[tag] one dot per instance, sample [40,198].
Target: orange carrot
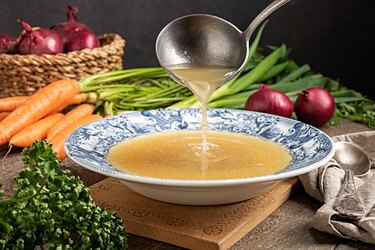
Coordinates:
[8,104]
[11,103]
[35,131]
[71,117]
[3,115]
[40,104]
[59,140]
[77,99]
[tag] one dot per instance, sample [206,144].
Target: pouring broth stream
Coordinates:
[202,81]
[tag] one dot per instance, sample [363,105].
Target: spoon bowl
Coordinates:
[207,41]
[350,156]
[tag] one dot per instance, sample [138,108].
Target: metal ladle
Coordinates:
[206,40]
[354,161]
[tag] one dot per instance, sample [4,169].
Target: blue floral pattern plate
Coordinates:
[310,148]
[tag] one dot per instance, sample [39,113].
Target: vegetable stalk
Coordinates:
[152,88]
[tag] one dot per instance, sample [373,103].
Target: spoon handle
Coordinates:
[263,15]
[348,202]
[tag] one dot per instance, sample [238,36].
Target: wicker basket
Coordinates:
[25,74]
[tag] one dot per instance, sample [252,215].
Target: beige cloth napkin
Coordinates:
[324,184]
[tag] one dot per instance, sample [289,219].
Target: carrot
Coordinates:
[3,115]
[58,140]
[71,117]
[35,131]
[8,104]
[77,99]
[40,104]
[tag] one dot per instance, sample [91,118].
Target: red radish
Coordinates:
[315,106]
[39,41]
[270,101]
[66,29]
[82,39]
[7,44]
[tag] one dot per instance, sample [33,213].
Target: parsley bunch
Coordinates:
[51,209]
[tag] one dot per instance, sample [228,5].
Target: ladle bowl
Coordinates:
[206,40]
[201,40]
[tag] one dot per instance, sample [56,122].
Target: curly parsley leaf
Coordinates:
[51,209]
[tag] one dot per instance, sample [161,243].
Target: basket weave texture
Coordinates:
[25,74]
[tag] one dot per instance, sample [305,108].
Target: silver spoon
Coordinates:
[206,40]
[354,161]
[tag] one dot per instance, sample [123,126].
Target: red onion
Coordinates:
[315,106]
[82,39]
[7,44]
[66,29]
[270,101]
[39,41]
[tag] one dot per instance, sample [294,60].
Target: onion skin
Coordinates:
[66,29]
[270,101]
[7,44]
[315,106]
[39,41]
[82,39]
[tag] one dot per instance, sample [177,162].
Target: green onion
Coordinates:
[151,88]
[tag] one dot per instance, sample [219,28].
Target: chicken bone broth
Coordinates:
[178,155]
[202,81]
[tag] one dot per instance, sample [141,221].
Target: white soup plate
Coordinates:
[309,147]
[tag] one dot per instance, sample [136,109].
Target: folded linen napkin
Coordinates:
[324,184]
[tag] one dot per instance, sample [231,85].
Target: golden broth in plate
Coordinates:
[179,155]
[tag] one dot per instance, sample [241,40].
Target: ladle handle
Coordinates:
[263,15]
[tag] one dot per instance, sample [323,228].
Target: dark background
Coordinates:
[334,37]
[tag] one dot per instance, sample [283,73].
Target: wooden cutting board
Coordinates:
[193,227]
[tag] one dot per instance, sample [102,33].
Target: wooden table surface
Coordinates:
[289,227]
